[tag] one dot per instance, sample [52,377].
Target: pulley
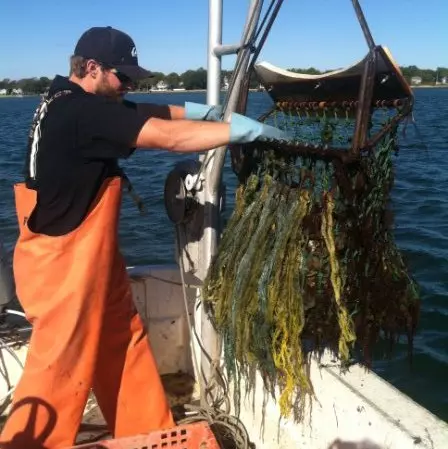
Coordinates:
[181,185]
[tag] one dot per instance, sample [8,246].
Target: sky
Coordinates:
[38,37]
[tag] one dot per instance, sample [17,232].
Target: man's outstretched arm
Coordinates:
[191,136]
[182,135]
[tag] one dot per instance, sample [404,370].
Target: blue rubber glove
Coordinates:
[244,129]
[196,111]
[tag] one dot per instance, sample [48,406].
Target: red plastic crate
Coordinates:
[190,436]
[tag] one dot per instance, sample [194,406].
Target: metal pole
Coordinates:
[214,60]
[209,196]
[242,63]
[214,161]
[209,338]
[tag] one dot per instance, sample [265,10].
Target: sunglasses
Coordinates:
[124,79]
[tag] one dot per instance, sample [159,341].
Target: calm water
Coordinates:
[420,202]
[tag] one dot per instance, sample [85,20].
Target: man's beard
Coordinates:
[107,90]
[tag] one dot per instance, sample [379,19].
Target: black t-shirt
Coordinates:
[82,136]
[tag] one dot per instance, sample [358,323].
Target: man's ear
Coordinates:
[92,68]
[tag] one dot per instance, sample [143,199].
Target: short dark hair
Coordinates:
[78,66]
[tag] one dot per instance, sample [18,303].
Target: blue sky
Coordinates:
[37,37]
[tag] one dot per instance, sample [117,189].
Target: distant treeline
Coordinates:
[197,79]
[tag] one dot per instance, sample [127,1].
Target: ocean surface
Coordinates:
[420,200]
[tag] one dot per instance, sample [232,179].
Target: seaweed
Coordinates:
[308,261]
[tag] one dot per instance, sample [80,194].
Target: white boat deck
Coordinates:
[356,410]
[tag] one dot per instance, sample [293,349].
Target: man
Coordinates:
[70,275]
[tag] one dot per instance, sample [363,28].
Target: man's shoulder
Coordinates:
[62,87]
[62,83]
[89,110]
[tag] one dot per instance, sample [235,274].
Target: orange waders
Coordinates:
[86,333]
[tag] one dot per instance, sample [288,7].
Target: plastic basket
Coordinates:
[191,436]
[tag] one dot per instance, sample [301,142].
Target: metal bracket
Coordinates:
[194,182]
[224,50]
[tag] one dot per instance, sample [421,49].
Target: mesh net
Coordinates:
[307,260]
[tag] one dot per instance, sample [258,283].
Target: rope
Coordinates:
[229,431]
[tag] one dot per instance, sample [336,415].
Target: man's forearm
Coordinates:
[183,135]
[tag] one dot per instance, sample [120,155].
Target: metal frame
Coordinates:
[212,163]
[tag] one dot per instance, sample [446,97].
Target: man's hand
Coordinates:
[244,129]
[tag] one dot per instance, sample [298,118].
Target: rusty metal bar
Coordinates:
[269,19]
[362,21]
[314,105]
[385,129]
[344,154]
[363,112]
[309,150]
[273,15]
[367,84]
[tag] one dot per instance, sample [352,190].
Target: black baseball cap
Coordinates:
[114,49]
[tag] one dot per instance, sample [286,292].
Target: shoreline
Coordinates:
[179,91]
[430,86]
[192,91]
